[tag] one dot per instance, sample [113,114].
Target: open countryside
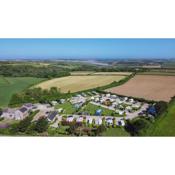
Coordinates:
[78,83]
[149,87]
[12,85]
[108,94]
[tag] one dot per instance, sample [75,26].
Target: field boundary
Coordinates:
[157,74]
[5,80]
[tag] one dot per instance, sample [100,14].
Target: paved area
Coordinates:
[131,115]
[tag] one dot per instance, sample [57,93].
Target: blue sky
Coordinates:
[86,48]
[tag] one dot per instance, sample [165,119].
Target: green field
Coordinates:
[67,106]
[91,109]
[165,125]
[11,85]
[115,132]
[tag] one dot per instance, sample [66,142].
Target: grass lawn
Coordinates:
[67,106]
[91,109]
[115,132]
[165,125]
[12,85]
[61,131]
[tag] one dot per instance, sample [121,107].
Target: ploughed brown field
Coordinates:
[151,87]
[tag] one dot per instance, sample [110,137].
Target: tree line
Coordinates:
[32,71]
[35,95]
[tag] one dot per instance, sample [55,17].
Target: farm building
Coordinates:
[18,114]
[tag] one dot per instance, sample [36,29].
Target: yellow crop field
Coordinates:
[78,83]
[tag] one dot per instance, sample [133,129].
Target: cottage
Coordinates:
[18,114]
[8,113]
[23,112]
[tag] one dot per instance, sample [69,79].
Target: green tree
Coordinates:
[137,127]
[1,111]
[100,129]
[41,125]
[24,124]
[161,107]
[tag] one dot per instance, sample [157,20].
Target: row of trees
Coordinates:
[32,71]
[37,95]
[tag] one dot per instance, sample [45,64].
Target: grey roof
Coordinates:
[52,115]
[23,109]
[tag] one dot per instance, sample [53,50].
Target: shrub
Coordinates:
[137,127]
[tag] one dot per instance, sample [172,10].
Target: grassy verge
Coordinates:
[115,132]
[165,124]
